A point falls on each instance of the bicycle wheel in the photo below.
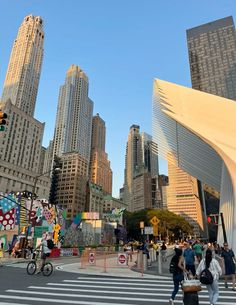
(31, 268)
(47, 269)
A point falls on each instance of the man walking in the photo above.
(189, 257)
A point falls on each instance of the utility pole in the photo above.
(223, 227)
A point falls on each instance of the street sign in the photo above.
(141, 224)
(121, 259)
(154, 221)
(148, 230)
(91, 258)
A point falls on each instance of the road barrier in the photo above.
(106, 260)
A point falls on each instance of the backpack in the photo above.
(50, 244)
(172, 266)
(206, 277)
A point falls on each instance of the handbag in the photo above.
(190, 285)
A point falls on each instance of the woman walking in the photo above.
(212, 264)
(178, 270)
(229, 260)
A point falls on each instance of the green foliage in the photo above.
(170, 223)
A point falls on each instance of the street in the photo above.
(16, 287)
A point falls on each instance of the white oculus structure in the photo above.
(198, 129)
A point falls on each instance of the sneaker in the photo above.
(226, 285)
(37, 272)
(234, 289)
(171, 302)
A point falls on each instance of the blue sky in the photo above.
(121, 45)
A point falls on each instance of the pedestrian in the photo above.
(178, 272)
(229, 260)
(146, 252)
(213, 266)
(163, 252)
(128, 249)
(189, 257)
(156, 248)
(197, 247)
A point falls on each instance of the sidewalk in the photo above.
(109, 268)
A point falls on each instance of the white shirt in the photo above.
(45, 248)
(214, 268)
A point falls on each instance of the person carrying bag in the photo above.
(209, 272)
(190, 287)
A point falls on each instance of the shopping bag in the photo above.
(190, 284)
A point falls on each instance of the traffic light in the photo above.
(3, 121)
(213, 219)
(209, 219)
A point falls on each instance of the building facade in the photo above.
(23, 73)
(21, 142)
(142, 191)
(48, 158)
(72, 183)
(99, 170)
(20, 153)
(74, 115)
(141, 171)
(212, 57)
(133, 163)
(95, 198)
(98, 140)
(183, 197)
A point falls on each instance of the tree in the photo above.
(170, 224)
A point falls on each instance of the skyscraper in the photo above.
(150, 154)
(21, 142)
(133, 162)
(183, 197)
(212, 57)
(72, 140)
(100, 170)
(141, 168)
(23, 73)
(98, 133)
(74, 115)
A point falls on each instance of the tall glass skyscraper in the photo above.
(212, 57)
(23, 73)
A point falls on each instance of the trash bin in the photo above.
(191, 298)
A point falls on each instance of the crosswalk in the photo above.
(104, 290)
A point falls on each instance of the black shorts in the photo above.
(45, 255)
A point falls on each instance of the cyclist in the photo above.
(45, 251)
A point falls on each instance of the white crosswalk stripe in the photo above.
(102, 290)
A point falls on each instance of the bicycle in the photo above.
(32, 266)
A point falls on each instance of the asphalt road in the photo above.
(18, 288)
(16, 277)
